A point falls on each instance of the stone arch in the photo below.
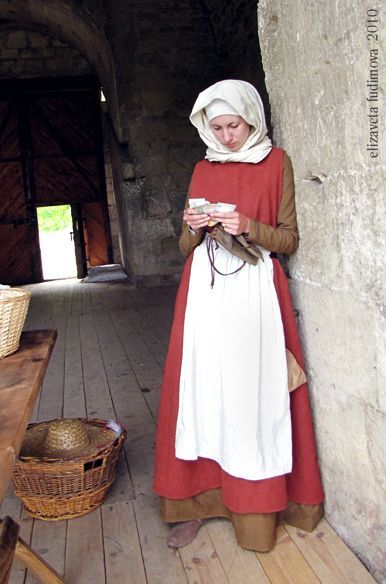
(72, 24)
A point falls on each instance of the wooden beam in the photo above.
(8, 541)
(35, 563)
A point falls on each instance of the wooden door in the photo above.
(50, 153)
(79, 240)
(20, 260)
(97, 246)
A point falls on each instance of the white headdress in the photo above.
(243, 99)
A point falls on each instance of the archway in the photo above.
(73, 24)
(73, 27)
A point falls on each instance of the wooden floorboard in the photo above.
(240, 566)
(107, 363)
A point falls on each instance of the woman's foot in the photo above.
(184, 533)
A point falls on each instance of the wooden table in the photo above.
(21, 376)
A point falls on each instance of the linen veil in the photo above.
(246, 101)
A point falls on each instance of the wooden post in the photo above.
(8, 541)
(13, 546)
(35, 563)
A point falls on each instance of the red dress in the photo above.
(192, 489)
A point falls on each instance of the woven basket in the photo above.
(13, 311)
(63, 489)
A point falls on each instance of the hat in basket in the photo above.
(69, 438)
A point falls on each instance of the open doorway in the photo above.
(51, 155)
(56, 239)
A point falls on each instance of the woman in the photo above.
(232, 441)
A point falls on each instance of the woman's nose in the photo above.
(227, 136)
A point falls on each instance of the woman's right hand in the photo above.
(195, 221)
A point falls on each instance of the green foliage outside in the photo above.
(54, 218)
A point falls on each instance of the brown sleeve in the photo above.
(189, 240)
(285, 237)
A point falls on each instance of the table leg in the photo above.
(35, 563)
(8, 541)
(15, 546)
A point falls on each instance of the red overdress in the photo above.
(256, 190)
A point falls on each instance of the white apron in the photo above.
(234, 400)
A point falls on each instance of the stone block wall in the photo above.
(318, 59)
(152, 57)
(25, 53)
(161, 64)
(158, 74)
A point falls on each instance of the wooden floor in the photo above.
(107, 363)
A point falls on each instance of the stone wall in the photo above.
(25, 53)
(161, 64)
(158, 69)
(316, 58)
(152, 58)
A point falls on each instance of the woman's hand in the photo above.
(234, 223)
(195, 221)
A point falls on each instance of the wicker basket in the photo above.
(13, 311)
(63, 489)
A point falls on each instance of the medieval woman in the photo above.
(235, 436)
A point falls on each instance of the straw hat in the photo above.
(68, 438)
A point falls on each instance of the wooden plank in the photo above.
(146, 331)
(35, 310)
(76, 305)
(74, 404)
(162, 563)
(146, 369)
(330, 558)
(9, 531)
(241, 566)
(18, 573)
(97, 394)
(285, 563)
(122, 387)
(51, 394)
(51, 407)
(123, 556)
(42, 317)
(128, 398)
(201, 562)
(86, 298)
(21, 375)
(49, 542)
(84, 552)
(160, 317)
(140, 455)
(12, 506)
(128, 401)
(114, 328)
(85, 533)
(44, 573)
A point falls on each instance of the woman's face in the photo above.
(231, 131)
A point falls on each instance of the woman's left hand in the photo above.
(234, 223)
